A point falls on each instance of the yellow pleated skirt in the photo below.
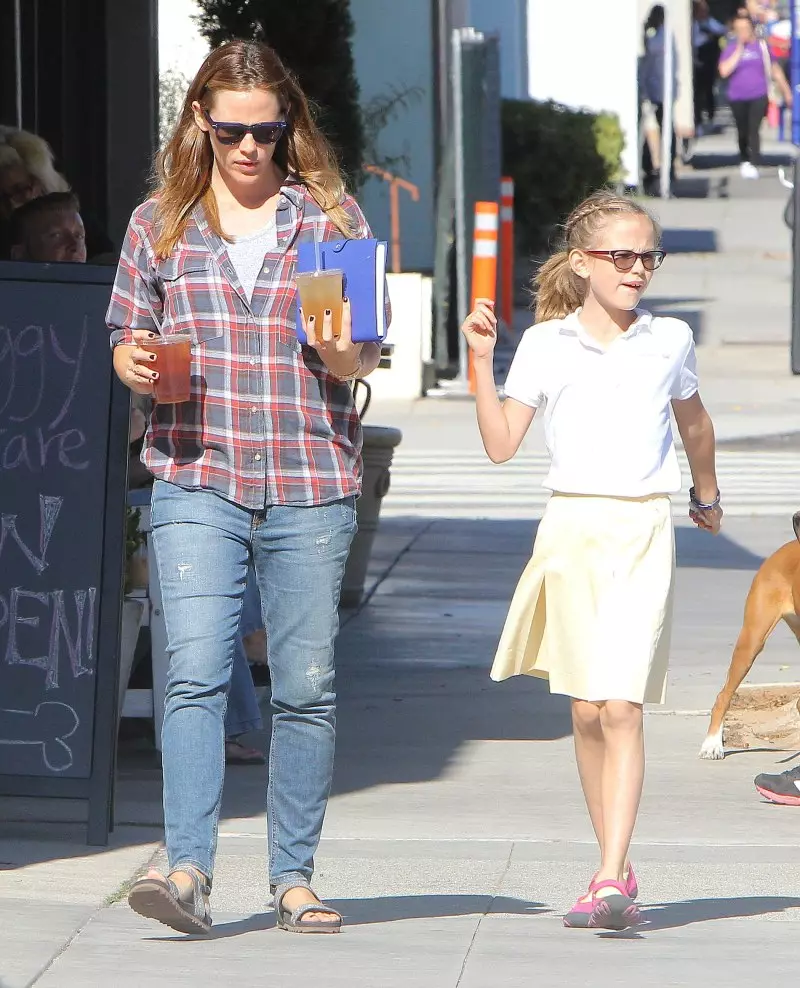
(593, 608)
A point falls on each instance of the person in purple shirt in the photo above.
(750, 71)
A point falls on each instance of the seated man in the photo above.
(48, 229)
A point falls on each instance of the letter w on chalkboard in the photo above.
(49, 508)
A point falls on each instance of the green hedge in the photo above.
(556, 157)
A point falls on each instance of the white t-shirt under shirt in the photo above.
(607, 410)
(247, 254)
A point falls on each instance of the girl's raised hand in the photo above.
(480, 328)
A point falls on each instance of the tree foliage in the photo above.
(313, 38)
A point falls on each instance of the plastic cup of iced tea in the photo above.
(321, 290)
(174, 365)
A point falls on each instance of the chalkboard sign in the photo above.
(63, 473)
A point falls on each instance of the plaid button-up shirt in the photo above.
(267, 423)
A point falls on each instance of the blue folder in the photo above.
(364, 265)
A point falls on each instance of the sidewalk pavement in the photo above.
(456, 834)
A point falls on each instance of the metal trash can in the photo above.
(379, 445)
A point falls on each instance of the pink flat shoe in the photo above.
(613, 912)
(578, 917)
(631, 884)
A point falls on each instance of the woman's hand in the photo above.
(341, 356)
(134, 366)
(480, 328)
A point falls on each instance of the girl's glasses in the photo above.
(624, 260)
(234, 133)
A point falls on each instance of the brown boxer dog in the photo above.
(774, 594)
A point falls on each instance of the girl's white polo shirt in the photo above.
(607, 409)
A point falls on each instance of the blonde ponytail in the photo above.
(557, 289)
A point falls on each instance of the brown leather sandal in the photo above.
(161, 899)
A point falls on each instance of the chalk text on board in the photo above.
(49, 508)
(36, 354)
(35, 624)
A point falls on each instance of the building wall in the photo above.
(181, 47)
(508, 19)
(393, 48)
(589, 62)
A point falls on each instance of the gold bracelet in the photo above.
(353, 375)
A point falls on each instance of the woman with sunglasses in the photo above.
(592, 610)
(262, 464)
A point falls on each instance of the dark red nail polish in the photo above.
(327, 312)
(345, 298)
(152, 356)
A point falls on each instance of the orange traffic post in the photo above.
(484, 262)
(507, 251)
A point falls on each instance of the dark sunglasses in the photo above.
(234, 133)
(624, 260)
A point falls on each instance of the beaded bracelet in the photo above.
(699, 504)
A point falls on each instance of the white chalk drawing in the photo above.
(49, 507)
(47, 726)
(30, 351)
(40, 378)
(71, 616)
(77, 363)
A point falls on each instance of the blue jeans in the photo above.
(243, 713)
(204, 545)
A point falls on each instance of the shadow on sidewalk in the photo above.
(682, 308)
(505, 547)
(712, 160)
(676, 240)
(673, 915)
(382, 909)
(402, 726)
(413, 681)
(698, 550)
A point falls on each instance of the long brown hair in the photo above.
(183, 167)
(559, 291)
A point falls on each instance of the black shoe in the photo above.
(651, 186)
(783, 788)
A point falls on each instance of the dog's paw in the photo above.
(712, 749)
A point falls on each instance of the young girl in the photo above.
(592, 610)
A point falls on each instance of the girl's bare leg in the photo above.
(589, 752)
(621, 783)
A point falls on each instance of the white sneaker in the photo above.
(748, 170)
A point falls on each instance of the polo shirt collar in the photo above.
(571, 326)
